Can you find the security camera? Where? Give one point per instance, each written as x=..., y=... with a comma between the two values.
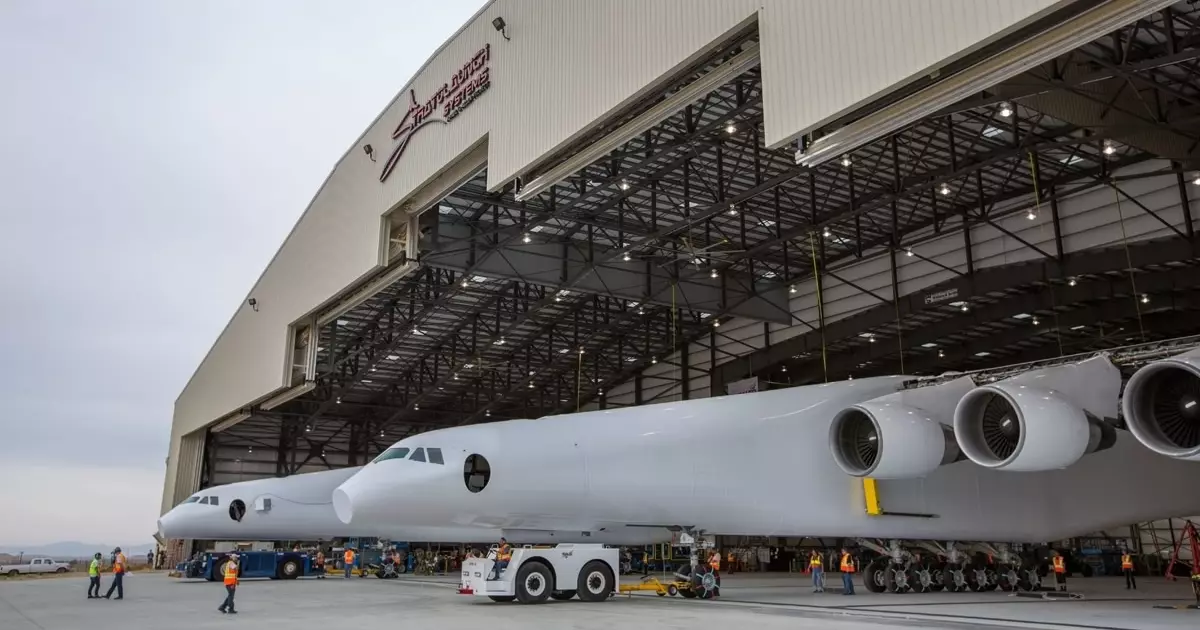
x=370, y=151
x=500, y=26
x=253, y=304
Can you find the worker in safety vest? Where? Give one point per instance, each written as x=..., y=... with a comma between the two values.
x=818, y=571
x=503, y=555
x=231, y=582
x=714, y=560
x=848, y=568
x=1127, y=569
x=348, y=561
x=94, y=576
x=1060, y=570
x=119, y=566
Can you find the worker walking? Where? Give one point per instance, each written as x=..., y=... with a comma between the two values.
x=231, y=583
x=847, y=567
x=1060, y=570
x=818, y=572
x=94, y=576
x=119, y=565
x=320, y=565
x=348, y=559
x=1127, y=569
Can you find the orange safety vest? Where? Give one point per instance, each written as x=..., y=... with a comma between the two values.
x=503, y=553
x=1126, y=561
x=231, y=571
x=815, y=562
x=119, y=563
x=348, y=557
x=847, y=563
x=714, y=561
x=1060, y=565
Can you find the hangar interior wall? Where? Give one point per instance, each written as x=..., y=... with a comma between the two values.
x=1090, y=219
x=586, y=60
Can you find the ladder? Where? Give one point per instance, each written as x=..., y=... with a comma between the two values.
x=1187, y=537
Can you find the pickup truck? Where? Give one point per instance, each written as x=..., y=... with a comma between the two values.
x=36, y=565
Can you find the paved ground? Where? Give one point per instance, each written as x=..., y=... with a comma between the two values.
x=769, y=602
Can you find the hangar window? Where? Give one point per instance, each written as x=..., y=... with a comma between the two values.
x=399, y=452
x=237, y=509
x=477, y=472
x=435, y=456
x=418, y=455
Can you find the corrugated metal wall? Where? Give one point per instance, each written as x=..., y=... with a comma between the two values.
x=569, y=63
x=190, y=460
x=1089, y=220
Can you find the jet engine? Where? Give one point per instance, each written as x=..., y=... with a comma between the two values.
x=899, y=436
x=1041, y=419
x=1162, y=406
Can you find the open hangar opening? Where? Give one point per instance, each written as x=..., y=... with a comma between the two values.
x=670, y=254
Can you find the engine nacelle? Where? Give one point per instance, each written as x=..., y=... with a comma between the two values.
x=1162, y=406
x=1042, y=419
x=899, y=436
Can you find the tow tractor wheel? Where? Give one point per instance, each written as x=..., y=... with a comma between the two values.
x=290, y=569
x=672, y=590
x=705, y=582
x=562, y=595
x=534, y=583
x=954, y=579
x=900, y=580
x=874, y=578
x=218, y=571
x=503, y=599
x=595, y=582
x=936, y=581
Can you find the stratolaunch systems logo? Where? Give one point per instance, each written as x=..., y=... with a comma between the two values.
x=466, y=85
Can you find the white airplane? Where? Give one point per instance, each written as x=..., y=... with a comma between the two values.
x=299, y=507
x=1046, y=462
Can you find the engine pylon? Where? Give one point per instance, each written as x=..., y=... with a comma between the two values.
x=1161, y=406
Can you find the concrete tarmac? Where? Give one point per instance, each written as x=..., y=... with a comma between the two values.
x=768, y=601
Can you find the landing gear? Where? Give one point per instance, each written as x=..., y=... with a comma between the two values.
x=875, y=576
x=928, y=579
x=706, y=583
x=980, y=578
x=954, y=578
x=900, y=579
x=1011, y=579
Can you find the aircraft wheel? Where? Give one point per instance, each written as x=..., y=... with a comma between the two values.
x=922, y=579
x=534, y=583
x=899, y=580
x=706, y=583
x=977, y=578
x=290, y=569
x=875, y=577
x=993, y=580
x=688, y=593
x=503, y=599
x=1007, y=580
x=562, y=596
x=1029, y=580
x=936, y=581
x=954, y=579
x=595, y=582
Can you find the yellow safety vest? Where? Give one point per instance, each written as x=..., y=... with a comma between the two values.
x=847, y=563
x=503, y=553
x=1126, y=561
x=815, y=562
x=1060, y=565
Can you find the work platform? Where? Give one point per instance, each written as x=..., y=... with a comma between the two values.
x=769, y=602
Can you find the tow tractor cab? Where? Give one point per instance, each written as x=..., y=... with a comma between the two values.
x=535, y=574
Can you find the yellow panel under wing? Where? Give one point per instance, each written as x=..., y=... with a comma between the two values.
x=871, y=497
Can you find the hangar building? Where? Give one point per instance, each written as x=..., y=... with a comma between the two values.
x=579, y=205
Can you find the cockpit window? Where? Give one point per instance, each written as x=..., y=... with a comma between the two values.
x=399, y=452
x=418, y=455
x=204, y=501
x=435, y=456
x=192, y=499
x=214, y=501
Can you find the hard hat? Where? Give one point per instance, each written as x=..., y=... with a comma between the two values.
x=118, y=549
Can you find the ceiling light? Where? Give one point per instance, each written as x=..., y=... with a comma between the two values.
x=626, y=257
x=733, y=211
x=530, y=384
x=792, y=289
x=846, y=160
x=783, y=369
x=536, y=228
x=392, y=357
x=1109, y=149
x=908, y=252
x=714, y=274
x=1145, y=299
x=826, y=233
x=730, y=128
x=965, y=307
x=716, y=323
x=1079, y=327
x=456, y=376
x=941, y=353
x=441, y=389
x=580, y=349
x=488, y=413
x=342, y=322
x=250, y=450
x=1022, y=316
x=653, y=359
x=1031, y=216
x=464, y=283
x=983, y=353
x=527, y=238
x=1035, y=321
x=871, y=338
x=564, y=351
x=381, y=433
x=1006, y=110
x=1071, y=281
x=417, y=331
x=624, y=185
x=945, y=190
x=558, y=298
x=631, y=359
x=416, y=407
x=339, y=400
x=641, y=311
x=929, y=345
x=498, y=342
x=600, y=392
x=367, y=381
x=1196, y=179
x=468, y=365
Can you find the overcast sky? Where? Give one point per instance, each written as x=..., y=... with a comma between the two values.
x=153, y=155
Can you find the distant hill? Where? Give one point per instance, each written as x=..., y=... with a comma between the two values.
x=72, y=549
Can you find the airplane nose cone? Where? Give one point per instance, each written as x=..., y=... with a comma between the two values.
x=167, y=525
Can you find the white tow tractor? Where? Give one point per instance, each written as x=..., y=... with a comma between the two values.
x=535, y=574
